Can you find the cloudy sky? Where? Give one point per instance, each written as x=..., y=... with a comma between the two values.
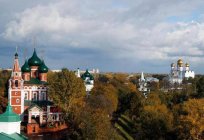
x=112, y=35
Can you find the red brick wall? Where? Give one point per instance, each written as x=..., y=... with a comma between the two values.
x=17, y=109
x=16, y=93
x=32, y=128
x=13, y=101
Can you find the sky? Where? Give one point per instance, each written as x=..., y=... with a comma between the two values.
x=111, y=35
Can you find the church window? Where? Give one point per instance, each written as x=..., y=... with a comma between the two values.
x=16, y=83
x=34, y=96
x=17, y=100
x=43, y=95
x=26, y=96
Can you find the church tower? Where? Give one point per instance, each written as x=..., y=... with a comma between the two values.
x=16, y=88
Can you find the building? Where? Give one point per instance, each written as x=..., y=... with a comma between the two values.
x=28, y=94
x=10, y=125
x=143, y=85
x=88, y=79
x=179, y=72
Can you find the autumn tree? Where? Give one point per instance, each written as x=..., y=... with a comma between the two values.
x=95, y=123
x=67, y=91
x=4, y=77
x=104, y=96
x=190, y=121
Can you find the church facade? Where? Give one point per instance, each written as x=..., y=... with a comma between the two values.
x=28, y=94
x=88, y=79
x=179, y=72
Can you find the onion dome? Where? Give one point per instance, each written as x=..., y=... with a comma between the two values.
x=34, y=60
x=16, y=55
x=25, y=67
x=9, y=115
x=87, y=75
x=43, y=68
x=180, y=62
x=187, y=65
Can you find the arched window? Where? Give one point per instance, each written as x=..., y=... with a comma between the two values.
x=26, y=96
x=43, y=95
x=16, y=83
x=34, y=98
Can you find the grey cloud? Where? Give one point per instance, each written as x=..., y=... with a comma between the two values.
x=132, y=31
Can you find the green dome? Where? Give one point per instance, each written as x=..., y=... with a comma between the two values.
x=34, y=60
x=43, y=68
x=9, y=115
x=87, y=74
x=25, y=67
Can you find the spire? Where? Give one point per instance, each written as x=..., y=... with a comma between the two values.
x=16, y=67
x=142, y=77
x=78, y=72
x=16, y=54
x=34, y=60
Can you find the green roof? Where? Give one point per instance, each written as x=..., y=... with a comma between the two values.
x=34, y=60
x=38, y=103
x=9, y=115
x=25, y=67
x=87, y=74
x=14, y=136
x=35, y=81
x=43, y=68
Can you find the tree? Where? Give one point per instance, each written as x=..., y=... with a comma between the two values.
x=104, y=96
x=191, y=122
x=4, y=77
x=200, y=87
x=95, y=124
x=156, y=122
x=67, y=91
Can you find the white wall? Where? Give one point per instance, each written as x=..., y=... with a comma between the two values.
x=10, y=127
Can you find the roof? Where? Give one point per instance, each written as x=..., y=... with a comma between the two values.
x=9, y=115
x=38, y=103
x=35, y=81
x=25, y=67
x=34, y=60
x=87, y=74
x=35, y=105
x=43, y=68
x=14, y=136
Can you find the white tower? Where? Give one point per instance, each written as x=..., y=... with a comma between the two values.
x=78, y=73
x=9, y=121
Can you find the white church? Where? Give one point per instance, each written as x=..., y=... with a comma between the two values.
x=179, y=72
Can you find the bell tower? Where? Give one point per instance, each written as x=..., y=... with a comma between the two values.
x=16, y=88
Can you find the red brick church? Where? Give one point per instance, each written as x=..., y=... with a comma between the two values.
x=28, y=96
